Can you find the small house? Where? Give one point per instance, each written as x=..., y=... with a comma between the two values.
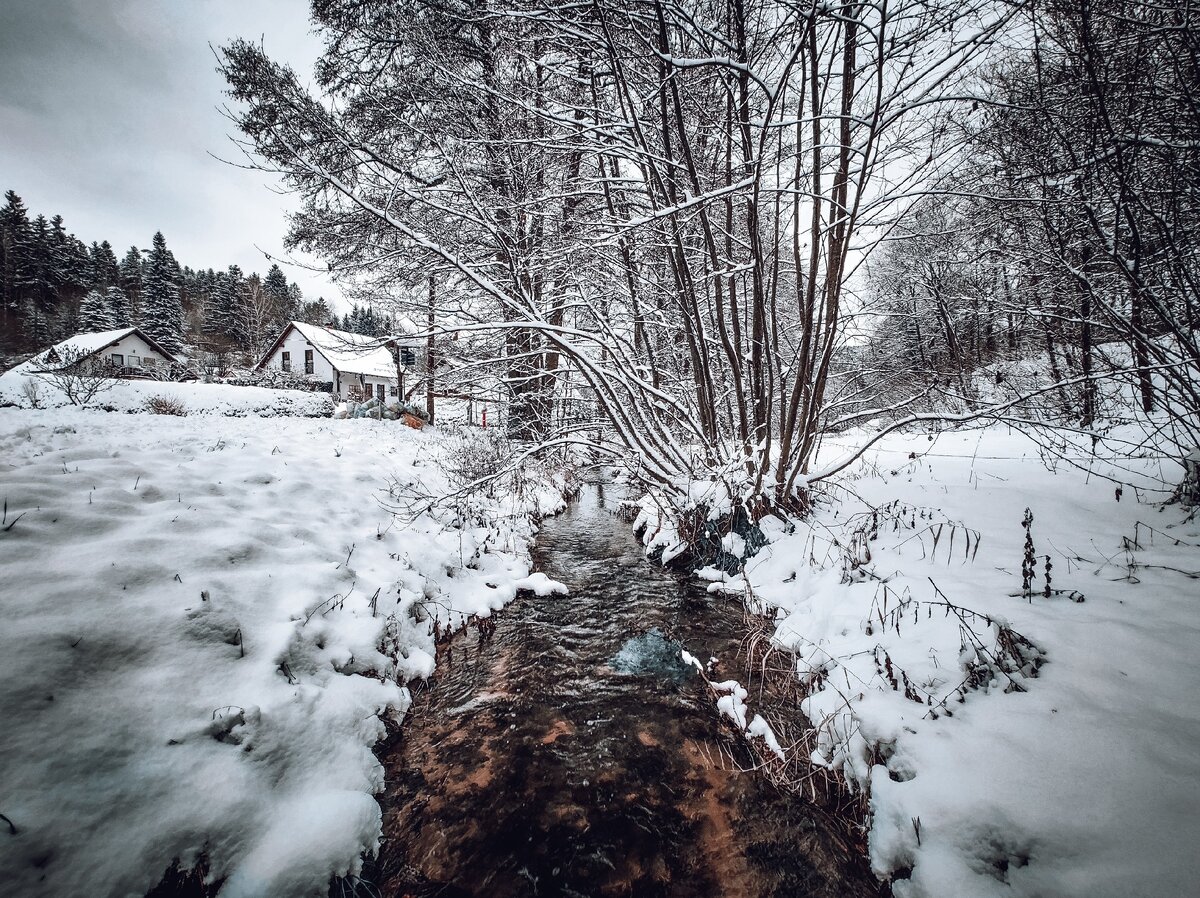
x=126, y=352
x=349, y=365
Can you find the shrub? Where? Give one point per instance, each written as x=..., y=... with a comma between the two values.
x=165, y=405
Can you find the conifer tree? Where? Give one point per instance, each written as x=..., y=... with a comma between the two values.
x=294, y=302
x=130, y=276
x=15, y=258
x=40, y=298
x=70, y=272
x=161, y=313
x=316, y=312
x=223, y=318
x=118, y=307
x=95, y=314
x=105, y=271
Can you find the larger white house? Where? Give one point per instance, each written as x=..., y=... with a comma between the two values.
x=351, y=365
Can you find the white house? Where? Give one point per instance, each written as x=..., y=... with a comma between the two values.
x=354, y=366
x=125, y=352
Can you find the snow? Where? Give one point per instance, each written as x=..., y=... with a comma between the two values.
x=540, y=585
x=207, y=621
x=195, y=398
x=733, y=703
x=1066, y=767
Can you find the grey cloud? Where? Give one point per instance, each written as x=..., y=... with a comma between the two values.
x=109, y=115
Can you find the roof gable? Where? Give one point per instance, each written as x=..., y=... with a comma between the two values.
x=348, y=353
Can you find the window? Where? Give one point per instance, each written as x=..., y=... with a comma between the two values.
x=394, y=391
x=134, y=362
x=381, y=392
x=287, y=361
x=408, y=358
x=118, y=360
x=308, y=361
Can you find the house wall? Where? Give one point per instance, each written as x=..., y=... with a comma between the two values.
x=296, y=345
x=135, y=353
x=370, y=382
x=343, y=383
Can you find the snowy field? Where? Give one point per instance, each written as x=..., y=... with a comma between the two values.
x=18, y=389
x=1011, y=745
x=205, y=622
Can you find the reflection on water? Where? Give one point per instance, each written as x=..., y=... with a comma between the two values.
x=573, y=754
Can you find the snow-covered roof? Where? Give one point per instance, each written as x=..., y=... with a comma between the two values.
x=82, y=345
x=347, y=352
x=405, y=326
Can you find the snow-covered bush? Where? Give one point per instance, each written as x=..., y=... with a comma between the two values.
x=165, y=405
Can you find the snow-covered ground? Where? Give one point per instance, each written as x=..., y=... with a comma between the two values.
x=205, y=621
x=19, y=389
x=1011, y=745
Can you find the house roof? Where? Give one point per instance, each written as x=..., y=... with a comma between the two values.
x=83, y=345
x=348, y=353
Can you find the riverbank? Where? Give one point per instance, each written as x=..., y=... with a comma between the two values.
x=1002, y=738
x=207, y=622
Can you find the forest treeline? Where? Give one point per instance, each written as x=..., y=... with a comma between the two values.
x=54, y=285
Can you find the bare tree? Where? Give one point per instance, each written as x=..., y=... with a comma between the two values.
x=78, y=374
x=667, y=197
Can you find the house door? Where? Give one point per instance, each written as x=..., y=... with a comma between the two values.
x=381, y=392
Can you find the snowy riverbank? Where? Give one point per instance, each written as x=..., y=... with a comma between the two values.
x=903, y=601
x=206, y=621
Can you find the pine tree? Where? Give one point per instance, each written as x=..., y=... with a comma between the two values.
x=317, y=312
x=95, y=314
x=225, y=321
x=161, y=312
x=70, y=274
x=275, y=286
x=105, y=271
x=294, y=302
x=118, y=307
x=130, y=276
x=40, y=299
x=15, y=258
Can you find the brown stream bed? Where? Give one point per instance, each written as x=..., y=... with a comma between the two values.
x=571, y=753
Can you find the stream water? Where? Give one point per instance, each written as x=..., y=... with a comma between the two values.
x=571, y=753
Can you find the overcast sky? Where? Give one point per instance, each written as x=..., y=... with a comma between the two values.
x=110, y=116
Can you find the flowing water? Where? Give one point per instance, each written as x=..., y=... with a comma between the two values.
x=572, y=753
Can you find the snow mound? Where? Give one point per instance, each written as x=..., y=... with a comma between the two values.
x=1012, y=741
x=131, y=396
x=207, y=623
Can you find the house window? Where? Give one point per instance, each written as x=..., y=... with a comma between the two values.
x=394, y=391
x=381, y=392
x=287, y=361
x=118, y=360
x=134, y=362
x=408, y=358
x=308, y=361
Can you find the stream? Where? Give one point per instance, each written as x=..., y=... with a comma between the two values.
x=572, y=753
